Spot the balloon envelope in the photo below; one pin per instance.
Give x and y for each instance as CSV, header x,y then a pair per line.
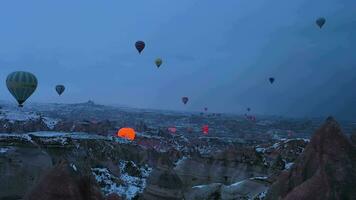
x,y
60,89
185,100
127,133
271,80
140,45
172,129
205,129
21,85
320,22
158,62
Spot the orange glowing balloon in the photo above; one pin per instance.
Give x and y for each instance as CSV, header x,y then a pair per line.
x,y
127,133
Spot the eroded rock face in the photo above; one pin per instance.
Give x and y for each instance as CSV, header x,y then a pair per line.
x,y
325,170
353,138
33,125
113,196
246,189
227,167
62,182
101,127
20,168
208,192
163,184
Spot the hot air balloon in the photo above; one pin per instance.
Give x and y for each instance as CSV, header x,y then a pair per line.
x,y
205,129
185,100
271,80
320,22
140,45
248,109
172,129
158,62
60,89
21,85
127,133
206,109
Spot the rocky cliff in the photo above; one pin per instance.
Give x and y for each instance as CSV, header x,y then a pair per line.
x,y
326,170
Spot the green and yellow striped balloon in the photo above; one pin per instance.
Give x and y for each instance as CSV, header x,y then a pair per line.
x,y
21,85
158,62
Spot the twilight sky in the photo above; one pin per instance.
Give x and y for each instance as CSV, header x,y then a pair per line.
x,y
219,53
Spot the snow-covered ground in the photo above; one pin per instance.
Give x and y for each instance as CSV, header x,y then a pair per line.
x,y
13,115
73,166
125,185
260,149
287,166
4,150
287,140
51,123
17,115
180,161
281,143
61,137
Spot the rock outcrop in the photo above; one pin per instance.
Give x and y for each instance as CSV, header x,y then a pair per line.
x,y
113,196
20,168
227,167
163,183
326,170
353,138
7,126
246,189
101,127
62,182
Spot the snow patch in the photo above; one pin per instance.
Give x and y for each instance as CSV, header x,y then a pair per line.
x,y
276,145
285,140
288,165
126,185
259,178
18,115
50,123
262,195
180,161
199,186
4,150
260,149
235,184
73,166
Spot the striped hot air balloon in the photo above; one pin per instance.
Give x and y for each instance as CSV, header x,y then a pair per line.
x,y
158,62
21,85
60,89
140,45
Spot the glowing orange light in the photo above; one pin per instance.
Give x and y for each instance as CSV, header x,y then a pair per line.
x,y
127,133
